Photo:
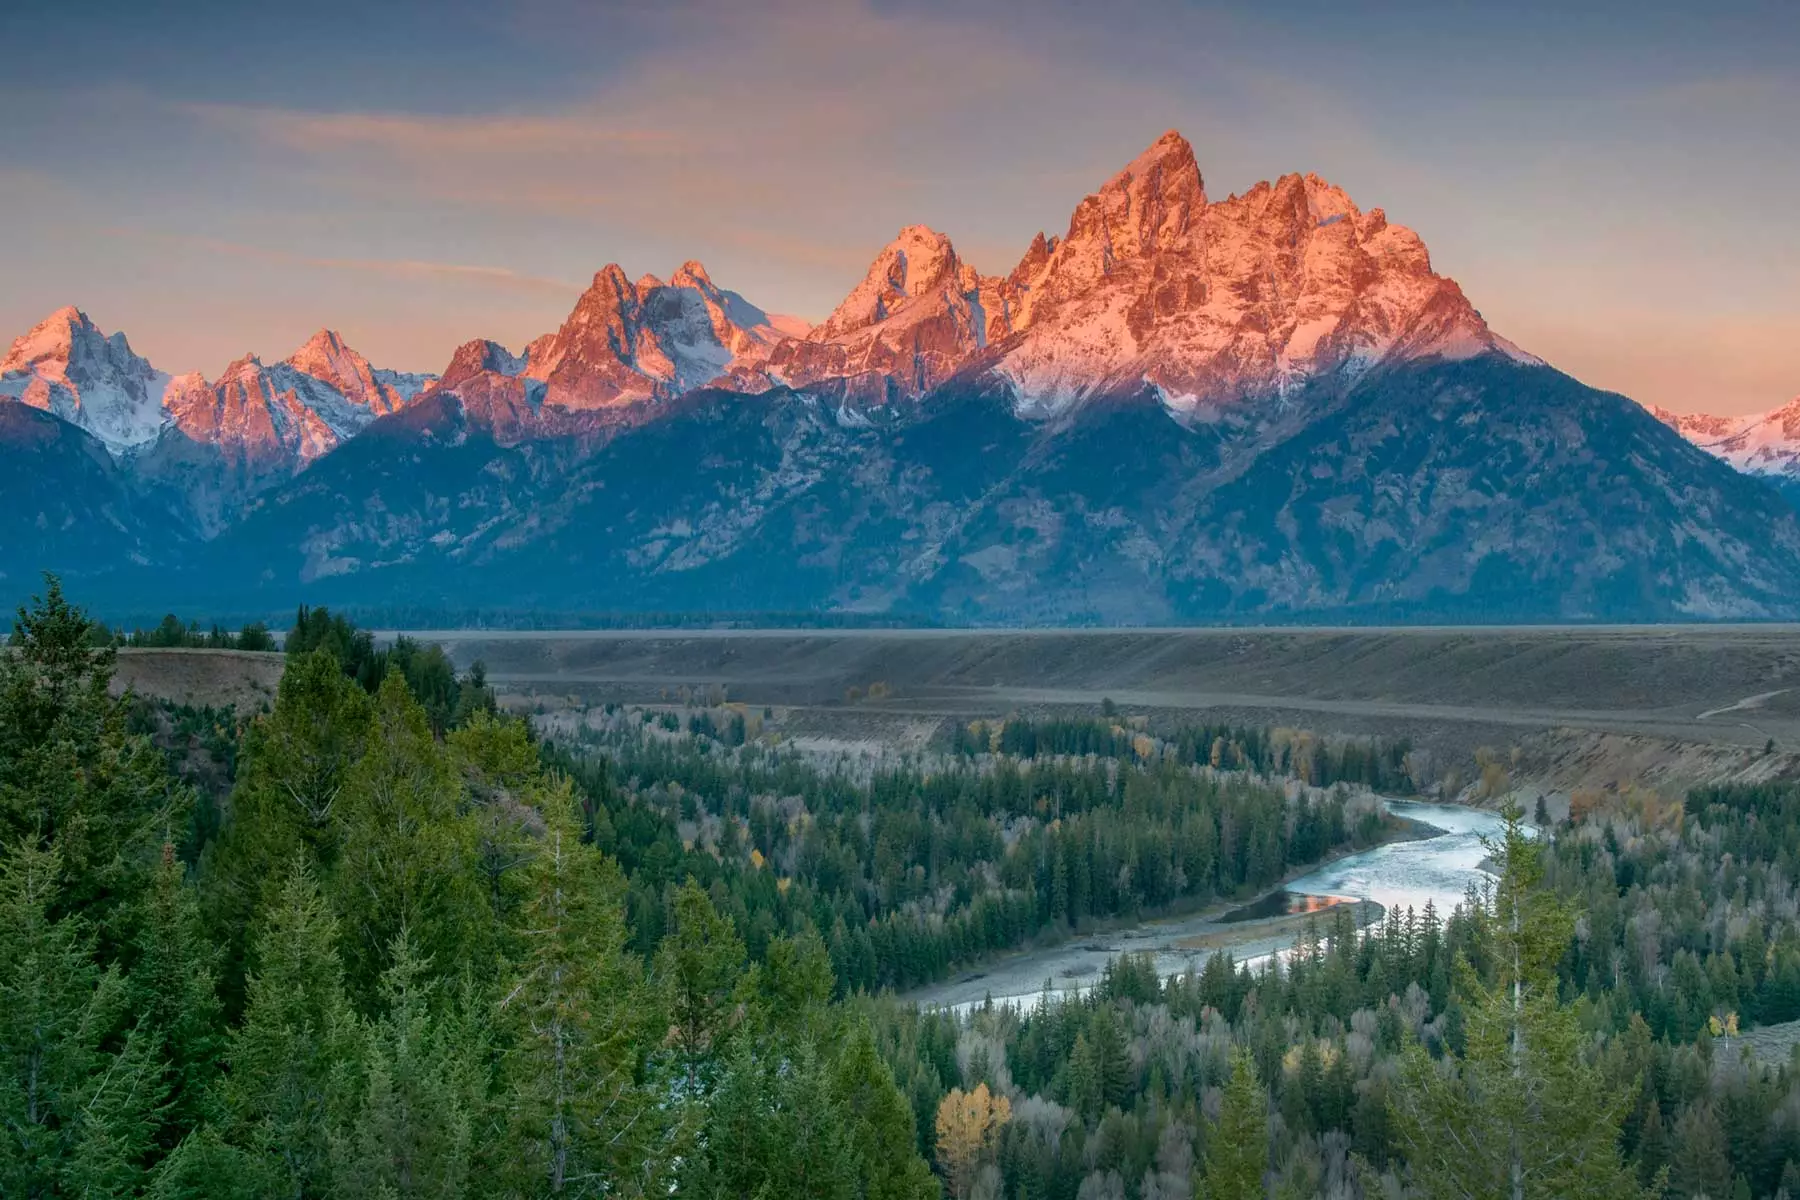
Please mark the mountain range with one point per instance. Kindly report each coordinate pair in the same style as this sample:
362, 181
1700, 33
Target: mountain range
1766, 444
1265, 407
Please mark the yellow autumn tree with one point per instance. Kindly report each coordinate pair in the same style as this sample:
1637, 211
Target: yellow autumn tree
967, 1123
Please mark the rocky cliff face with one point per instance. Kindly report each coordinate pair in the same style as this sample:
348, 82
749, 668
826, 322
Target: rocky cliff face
287, 414
914, 320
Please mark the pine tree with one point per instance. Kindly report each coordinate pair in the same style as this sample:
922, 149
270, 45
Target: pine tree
878, 1125
405, 852
1700, 1166
296, 1059
792, 986
1522, 1115
294, 767
1112, 1062
698, 967
413, 1133
771, 1128
580, 1121
504, 783
81, 1089
1237, 1144
172, 986
206, 1167
1083, 1087
1653, 1143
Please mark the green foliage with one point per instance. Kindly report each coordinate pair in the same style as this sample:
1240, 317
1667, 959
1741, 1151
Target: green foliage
426, 958
449, 700
911, 874
296, 764
295, 1061
173, 990
580, 1121
81, 1089
72, 776
415, 1132
1237, 1144
1381, 765
403, 968
698, 967
174, 633
404, 851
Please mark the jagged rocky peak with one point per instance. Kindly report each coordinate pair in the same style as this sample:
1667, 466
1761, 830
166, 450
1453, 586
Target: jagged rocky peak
53, 337
478, 357
1152, 207
66, 366
1218, 302
917, 317
920, 264
692, 273
326, 357
627, 343
281, 416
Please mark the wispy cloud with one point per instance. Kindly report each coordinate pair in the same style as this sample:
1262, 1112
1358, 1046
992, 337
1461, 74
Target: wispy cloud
835, 111
392, 268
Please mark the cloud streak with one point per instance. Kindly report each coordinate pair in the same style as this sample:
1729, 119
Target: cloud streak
391, 268
836, 113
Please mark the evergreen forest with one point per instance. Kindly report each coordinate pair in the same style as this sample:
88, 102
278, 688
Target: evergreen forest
383, 939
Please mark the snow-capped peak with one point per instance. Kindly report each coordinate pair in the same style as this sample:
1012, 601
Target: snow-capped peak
66, 366
481, 356
326, 358
1253, 295
918, 315
51, 338
299, 408
283, 415
1766, 443
919, 262
625, 343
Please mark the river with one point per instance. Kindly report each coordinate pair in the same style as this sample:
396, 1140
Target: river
1438, 869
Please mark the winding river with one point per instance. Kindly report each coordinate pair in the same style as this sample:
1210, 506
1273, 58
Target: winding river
1438, 868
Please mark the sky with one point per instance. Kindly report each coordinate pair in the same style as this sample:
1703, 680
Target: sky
1613, 184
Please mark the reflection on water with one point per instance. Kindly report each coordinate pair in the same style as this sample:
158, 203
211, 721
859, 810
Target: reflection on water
1283, 902
1437, 870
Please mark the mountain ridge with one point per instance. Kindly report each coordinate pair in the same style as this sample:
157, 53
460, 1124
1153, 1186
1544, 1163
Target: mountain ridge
1267, 406
1765, 444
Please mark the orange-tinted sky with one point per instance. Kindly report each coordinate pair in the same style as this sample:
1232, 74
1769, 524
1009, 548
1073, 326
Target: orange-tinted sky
1613, 184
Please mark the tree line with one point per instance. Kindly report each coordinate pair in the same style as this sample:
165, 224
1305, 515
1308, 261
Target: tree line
1379, 764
